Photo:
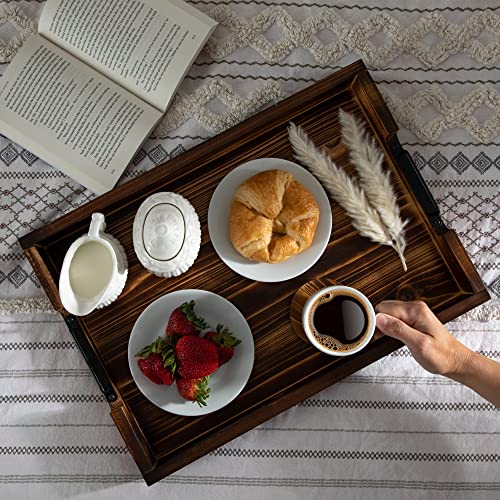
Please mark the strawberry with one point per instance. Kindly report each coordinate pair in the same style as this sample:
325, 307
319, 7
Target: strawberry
151, 367
183, 321
167, 376
225, 343
196, 357
194, 389
157, 361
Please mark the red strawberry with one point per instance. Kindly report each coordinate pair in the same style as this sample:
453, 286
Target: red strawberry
167, 376
157, 361
151, 367
183, 321
225, 343
196, 357
194, 389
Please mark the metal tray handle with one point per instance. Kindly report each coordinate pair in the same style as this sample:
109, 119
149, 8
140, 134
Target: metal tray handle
418, 185
91, 358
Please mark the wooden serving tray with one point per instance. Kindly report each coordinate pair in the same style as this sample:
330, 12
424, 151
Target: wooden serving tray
286, 370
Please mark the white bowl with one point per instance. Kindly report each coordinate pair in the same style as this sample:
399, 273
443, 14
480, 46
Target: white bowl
218, 223
226, 383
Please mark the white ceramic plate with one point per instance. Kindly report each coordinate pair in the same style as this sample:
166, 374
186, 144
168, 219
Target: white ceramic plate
218, 225
226, 383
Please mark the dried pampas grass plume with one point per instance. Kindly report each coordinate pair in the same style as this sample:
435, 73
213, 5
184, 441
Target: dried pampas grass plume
366, 218
368, 159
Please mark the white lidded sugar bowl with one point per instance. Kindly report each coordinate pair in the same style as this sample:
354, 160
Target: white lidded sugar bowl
167, 234
94, 270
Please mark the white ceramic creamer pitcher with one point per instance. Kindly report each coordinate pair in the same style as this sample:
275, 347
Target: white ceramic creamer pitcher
94, 270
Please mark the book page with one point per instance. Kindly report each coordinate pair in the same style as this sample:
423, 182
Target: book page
71, 116
147, 46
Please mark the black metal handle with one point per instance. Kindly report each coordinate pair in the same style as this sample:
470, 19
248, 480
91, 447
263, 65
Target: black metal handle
92, 360
419, 187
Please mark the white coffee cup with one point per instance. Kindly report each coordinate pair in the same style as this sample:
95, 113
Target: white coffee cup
326, 341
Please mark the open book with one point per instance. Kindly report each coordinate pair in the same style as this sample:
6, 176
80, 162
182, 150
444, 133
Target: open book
86, 92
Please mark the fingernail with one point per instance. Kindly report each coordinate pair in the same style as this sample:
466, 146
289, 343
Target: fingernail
381, 320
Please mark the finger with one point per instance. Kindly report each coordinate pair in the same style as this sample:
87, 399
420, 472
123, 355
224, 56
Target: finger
409, 312
394, 327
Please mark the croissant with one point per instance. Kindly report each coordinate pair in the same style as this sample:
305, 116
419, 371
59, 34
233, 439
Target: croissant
273, 217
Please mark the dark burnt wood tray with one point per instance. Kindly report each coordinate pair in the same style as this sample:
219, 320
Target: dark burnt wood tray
286, 369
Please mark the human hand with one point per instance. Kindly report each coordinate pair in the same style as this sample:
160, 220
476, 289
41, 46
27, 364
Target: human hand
430, 343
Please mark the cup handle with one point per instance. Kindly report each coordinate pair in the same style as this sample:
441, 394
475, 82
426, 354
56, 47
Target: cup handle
97, 225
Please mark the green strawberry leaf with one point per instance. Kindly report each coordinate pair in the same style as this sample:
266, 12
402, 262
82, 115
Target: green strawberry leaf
225, 338
202, 392
187, 309
144, 352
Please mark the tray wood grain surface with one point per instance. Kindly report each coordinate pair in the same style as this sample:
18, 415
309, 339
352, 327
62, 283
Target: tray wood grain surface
286, 370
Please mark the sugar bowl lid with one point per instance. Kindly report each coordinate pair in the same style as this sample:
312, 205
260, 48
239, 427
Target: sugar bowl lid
167, 234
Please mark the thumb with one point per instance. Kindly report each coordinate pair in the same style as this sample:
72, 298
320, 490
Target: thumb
394, 327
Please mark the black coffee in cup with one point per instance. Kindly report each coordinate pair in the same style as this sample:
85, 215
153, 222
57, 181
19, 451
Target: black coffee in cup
339, 320
342, 317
